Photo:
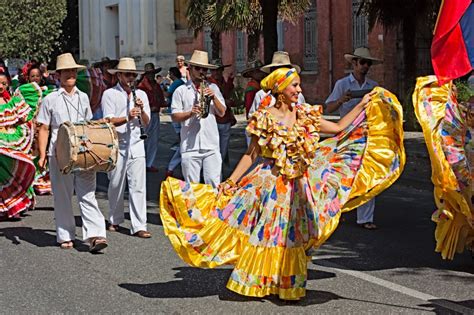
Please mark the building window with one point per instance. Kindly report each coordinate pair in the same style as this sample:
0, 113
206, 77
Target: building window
239, 51
310, 39
360, 26
208, 41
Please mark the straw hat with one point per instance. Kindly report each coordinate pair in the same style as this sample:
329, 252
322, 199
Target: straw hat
66, 61
280, 59
126, 65
200, 59
251, 67
362, 53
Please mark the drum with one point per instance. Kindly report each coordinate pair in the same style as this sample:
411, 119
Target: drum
86, 146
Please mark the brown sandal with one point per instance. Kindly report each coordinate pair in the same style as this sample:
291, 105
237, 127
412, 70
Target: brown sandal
97, 244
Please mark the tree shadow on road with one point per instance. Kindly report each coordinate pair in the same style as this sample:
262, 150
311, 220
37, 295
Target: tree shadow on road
196, 283
38, 237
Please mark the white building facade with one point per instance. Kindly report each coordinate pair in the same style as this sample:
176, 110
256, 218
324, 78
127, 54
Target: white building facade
141, 29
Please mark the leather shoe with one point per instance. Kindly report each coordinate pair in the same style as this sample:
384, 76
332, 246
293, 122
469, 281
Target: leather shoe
142, 234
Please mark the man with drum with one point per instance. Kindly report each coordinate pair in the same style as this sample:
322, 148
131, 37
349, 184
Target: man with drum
129, 110
69, 104
199, 135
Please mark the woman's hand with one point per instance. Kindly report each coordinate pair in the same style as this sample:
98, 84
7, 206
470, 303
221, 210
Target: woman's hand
227, 188
366, 99
42, 163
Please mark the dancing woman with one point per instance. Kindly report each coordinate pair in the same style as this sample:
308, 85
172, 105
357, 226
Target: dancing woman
266, 222
448, 129
17, 170
33, 74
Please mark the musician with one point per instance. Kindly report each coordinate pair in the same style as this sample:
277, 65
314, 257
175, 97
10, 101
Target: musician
199, 136
340, 99
131, 115
68, 103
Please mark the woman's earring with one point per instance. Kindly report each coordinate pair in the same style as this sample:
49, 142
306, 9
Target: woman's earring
280, 100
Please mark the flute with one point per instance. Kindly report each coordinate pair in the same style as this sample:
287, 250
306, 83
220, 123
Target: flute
143, 135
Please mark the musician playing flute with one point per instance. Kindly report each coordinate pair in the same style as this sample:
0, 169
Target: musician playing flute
199, 135
129, 110
68, 103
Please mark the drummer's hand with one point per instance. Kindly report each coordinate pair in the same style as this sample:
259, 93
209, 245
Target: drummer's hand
42, 163
139, 103
134, 112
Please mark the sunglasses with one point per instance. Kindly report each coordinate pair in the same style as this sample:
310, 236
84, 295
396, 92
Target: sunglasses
130, 74
365, 62
197, 68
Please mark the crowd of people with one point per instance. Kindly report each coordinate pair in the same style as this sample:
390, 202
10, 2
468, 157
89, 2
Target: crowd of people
283, 199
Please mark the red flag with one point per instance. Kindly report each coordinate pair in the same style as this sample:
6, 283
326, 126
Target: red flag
452, 52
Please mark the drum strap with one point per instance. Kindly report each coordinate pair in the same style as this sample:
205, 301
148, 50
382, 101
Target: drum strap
77, 109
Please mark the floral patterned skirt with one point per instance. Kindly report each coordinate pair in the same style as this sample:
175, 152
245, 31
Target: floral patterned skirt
448, 129
268, 226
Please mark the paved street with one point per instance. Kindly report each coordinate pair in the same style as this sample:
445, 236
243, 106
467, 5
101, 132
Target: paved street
391, 270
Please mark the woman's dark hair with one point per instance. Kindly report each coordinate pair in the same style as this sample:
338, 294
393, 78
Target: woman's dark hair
175, 71
4, 70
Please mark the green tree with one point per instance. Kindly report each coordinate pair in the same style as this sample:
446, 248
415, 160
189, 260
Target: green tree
252, 16
30, 28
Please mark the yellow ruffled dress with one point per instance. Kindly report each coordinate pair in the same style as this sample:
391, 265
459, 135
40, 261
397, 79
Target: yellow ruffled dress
290, 202
448, 130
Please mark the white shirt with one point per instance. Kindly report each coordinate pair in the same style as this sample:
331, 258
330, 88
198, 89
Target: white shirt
261, 94
196, 133
116, 103
58, 107
349, 83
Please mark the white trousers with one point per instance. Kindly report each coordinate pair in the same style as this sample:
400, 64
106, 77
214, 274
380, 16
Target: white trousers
132, 170
365, 213
209, 161
63, 186
224, 137
151, 143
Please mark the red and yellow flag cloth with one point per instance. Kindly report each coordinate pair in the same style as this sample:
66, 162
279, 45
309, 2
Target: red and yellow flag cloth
452, 49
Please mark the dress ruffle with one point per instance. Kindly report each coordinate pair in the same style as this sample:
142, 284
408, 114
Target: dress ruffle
269, 226
17, 172
450, 143
292, 148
